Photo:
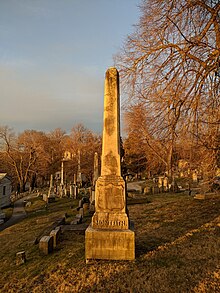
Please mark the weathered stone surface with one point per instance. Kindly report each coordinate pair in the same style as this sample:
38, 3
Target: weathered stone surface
96, 168
20, 257
111, 126
110, 221
110, 194
110, 244
109, 236
56, 235
45, 197
46, 244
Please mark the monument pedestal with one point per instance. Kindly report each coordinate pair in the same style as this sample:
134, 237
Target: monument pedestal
109, 244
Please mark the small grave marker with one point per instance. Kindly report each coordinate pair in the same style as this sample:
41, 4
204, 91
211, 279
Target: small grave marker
20, 257
46, 244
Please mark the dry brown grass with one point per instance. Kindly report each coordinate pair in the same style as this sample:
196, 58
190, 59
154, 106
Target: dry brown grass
177, 250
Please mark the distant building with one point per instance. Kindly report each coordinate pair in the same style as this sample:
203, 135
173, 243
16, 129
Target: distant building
5, 190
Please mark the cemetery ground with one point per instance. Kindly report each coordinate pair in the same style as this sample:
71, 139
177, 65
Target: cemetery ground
177, 249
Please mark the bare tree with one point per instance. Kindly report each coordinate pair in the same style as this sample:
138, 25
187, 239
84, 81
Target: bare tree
145, 139
171, 64
87, 142
19, 156
29, 155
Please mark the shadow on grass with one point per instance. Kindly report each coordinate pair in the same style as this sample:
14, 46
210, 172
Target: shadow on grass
133, 201
188, 263
169, 256
191, 216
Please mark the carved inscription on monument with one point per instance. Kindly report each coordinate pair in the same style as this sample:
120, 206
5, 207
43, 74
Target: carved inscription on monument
107, 224
113, 221
113, 192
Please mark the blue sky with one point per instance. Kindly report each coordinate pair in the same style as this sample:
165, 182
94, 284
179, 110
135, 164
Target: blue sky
53, 58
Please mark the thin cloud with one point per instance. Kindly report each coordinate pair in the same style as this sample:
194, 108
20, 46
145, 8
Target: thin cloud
63, 97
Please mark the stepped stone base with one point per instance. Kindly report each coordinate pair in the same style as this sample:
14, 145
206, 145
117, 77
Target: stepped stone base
109, 244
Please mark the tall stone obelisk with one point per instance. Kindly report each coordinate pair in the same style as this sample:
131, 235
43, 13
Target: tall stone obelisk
109, 236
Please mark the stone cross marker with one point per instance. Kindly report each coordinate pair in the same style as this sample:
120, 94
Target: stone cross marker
109, 236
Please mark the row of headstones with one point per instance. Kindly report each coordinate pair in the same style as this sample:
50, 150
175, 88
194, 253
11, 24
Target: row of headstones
161, 185
15, 196
46, 245
156, 189
83, 209
62, 192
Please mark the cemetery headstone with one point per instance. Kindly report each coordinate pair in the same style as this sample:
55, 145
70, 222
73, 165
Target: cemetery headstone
20, 257
75, 188
109, 236
71, 190
45, 197
51, 195
165, 184
160, 184
46, 244
56, 235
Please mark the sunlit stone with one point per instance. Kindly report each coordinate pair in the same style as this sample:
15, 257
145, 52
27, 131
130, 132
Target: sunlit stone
109, 236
